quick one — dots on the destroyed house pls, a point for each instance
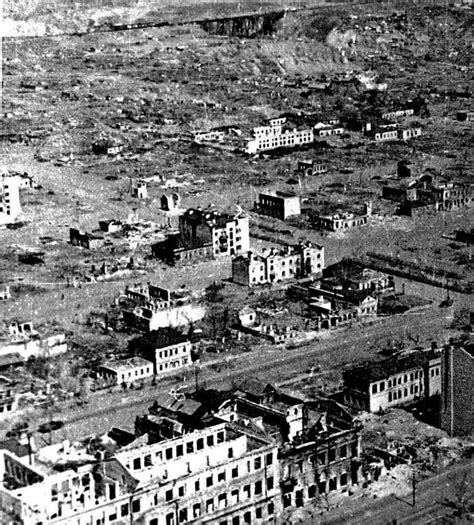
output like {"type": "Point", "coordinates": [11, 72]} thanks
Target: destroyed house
{"type": "Point", "coordinates": [278, 204]}
{"type": "Point", "coordinates": [5, 292]}
{"type": "Point", "coordinates": [177, 250]}
{"type": "Point", "coordinates": [392, 114]}
{"type": "Point", "coordinates": [107, 147]}
{"type": "Point", "coordinates": [85, 239]}
{"type": "Point", "coordinates": [274, 265]}
{"type": "Point", "coordinates": [393, 382]}
{"type": "Point", "coordinates": [152, 307]}
{"type": "Point", "coordinates": [330, 304]}
{"type": "Point", "coordinates": [319, 442]}
{"type": "Point", "coordinates": [209, 136]}
{"type": "Point", "coordinates": [309, 168]}
{"type": "Point", "coordinates": [343, 220]}
{"type": "Point", "coordinates": [353, 275]}
{"type": "Point", "coordinates": [25, 342]}
{"type": "Point", "coordinates": [425, 194]}
{"type": "Point", "coordinates": [229, 234]}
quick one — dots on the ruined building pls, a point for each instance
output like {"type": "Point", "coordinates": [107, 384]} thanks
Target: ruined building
{"type": "Point", "coordinates": [10, 207]}
{"type": "Point", "coordinates": [222, 473]}
{"type": "Point", "coordinates": [205, 234]}
{"type": "Point", "coordinates": [393, 382]}
{"type": "Point", "coordinates": [278, 204]}
{"type": "Point", "coordinates": [277, 134]}
{"type": "Point", "coordinates": [319, 441]}
{"type": "Point", "coordinates": [330, 303]}
{"type": "Point", "coordinates": [344, 220]}
{"type": "Point", "coordinates": [274, 265]}
{"type": "Point", "coordinates": [425, 194]}
{"type": "Point", "coordinates": [151, 307]}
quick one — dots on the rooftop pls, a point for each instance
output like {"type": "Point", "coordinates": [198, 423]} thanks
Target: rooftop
{"type": "Point", "coordinates": [377, 371]}
{"type": "Point", "coordinates": [126, 364]}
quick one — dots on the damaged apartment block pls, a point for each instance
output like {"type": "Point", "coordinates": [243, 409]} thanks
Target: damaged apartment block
{"type": "Point", "coordinates": [219, 473]}
{"type": "Point", "coordinates": [205, 234]}
{"type": "Point", "coordinates": [319, 441]}
{"type": "Point", "coordinates": [292, 262]}
{"type": "Point", "coordinates": [151, 307]}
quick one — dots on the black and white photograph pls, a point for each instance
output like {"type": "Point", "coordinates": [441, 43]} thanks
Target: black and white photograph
{"type": "Point", "coordinates": [236, 275]}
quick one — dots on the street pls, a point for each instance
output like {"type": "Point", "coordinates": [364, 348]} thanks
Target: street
{"type": "Point", "coordinates": [429, 507]}
{"type": "Point", "coordinates": [276, 365]}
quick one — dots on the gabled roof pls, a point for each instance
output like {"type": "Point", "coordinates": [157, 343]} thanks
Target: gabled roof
{"type": "Point", "coordinates": [253, 386]}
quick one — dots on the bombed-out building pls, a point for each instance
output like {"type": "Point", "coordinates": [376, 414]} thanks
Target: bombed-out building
{"type": "Point", "coordinates": [278, 204]}
{"type": "Point", "coordinates": [393, 382]}
{"type": "Point", "coordinates": [319, 441]}
{"type": "Point", "coordinates": [330, 303]}
{"type": "Point", "coordinates": [222, 473]}
{"type": "Point", "coordinates": [151, 307]}
{"type": "Point", "coordinates": [205, 234]}
{"type": "Point", "coordinates": [275, 265]}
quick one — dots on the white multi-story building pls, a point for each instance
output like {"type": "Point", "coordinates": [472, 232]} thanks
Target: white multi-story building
{"type": "Point", "coordinates": [276, 136]}
{"type": "Point", "coordinates": [393, 382]}
{"type": "Point", "coordinates": [221, 474]}
{"type": "Point", "coordinates": [152, 307]}
{"type": "Point", "coordinates": [229, 234]}
{"type": "Point", "coordinates": [26, 342]}
{"type": "Point", "coordinates": [10, 207]}
{"type": "Point", "coordinates": [278, 204]}
{"type": "Point", "coordinates": [170, 357]}
{"type": "Point", "coordinates": [278, 265]}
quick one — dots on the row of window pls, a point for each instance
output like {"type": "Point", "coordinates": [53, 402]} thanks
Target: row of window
{"type": "Point", "coordinates": [138, 372]}
{"type": "Point", "coordinates": [398, 394]}
{"type": "Point", "coordinates": [322, 487]}
{"type": "Point", "coordinates": [245, 519]}
{"type": "Point", "coordinates": [413, 376]}
{"type": "Point", "coordinates": [172, 351]}
{"type": "Point", "coordinates": [179, 450]}
{"type": "Point", "coordinates": [173, 364]}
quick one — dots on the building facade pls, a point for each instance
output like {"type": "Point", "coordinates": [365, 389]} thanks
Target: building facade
{"type": "Point", "coordinates": [278, 204]}
{"type": "Point", "coordinates": [152, 307]}
{"type": "Point", "coordinates": [319, 442]}
{"type": "Point", "coordinates": [8, 397]}
{"type": "Point", "coordinates": [226, 234]}
{"type": "Point", "coordinates": [343, 221]}
{"type": "Point", "coordinates": [218, 475]}
{"type": "Point", "coordinates": [172, 357]}
{"type": "Point", "coordinates": [457, 390]}
{"type": "Point", "coordinates": [393, 382]}
{"type": "Point", "coordinates": [274, 265]}
{"type": "Point", "coordinates": [277, 135]}
{"type": "Point", "coordinates": [126, 371]}
{"type": "Point", "coordinates": [309, 168]}
{"type": "Point", "coordinates": [10, 207]}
